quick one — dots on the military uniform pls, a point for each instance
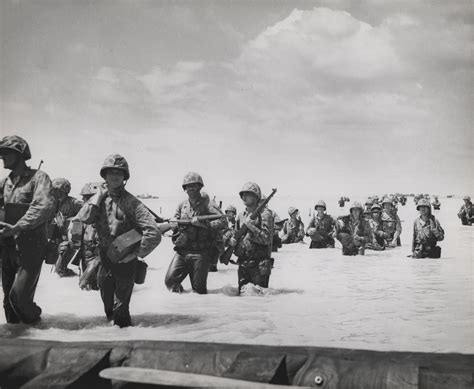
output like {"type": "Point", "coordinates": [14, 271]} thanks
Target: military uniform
{"type": "Point", "coordinates": [320, 230]}
{"type": "Point", "coordinates": [66, 209]}
{"type": "Point", "coordinates": [254, 249]}
{"type": "Point", "coordinates": [194, 245]}
{"type": "Point", "coordinates": [293, 229]}
{"type": "Point", "coordinates": [23, 254]}
{"type": "Point", "coordinates": [466, 213]}
{"type": "Point", "coordinates": [353, 233]}
{"type": "Point", "coordinates": [277, 227]}
{"type": "Point", "coordinates": [113, 214]}
{"type": "Point", "coordinates": [426, 234]}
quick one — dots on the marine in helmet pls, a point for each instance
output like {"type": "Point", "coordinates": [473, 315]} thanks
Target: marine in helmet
{"type": "Point", "coordinates": [426, 232]}
{"type": "Point", "coordinates": [368, 205]}
{"type": "Point", "coordinates": [436, 204]}
{"type": "Point", "coordinates": [391, 225]}
{"type": "Point", "coordinates": [466, 213]}
{"type": "Point", "coordinates": [353, 231]}
{"type": "Point", "coordinates": [66, 208]}
{"type": "Point", "coordinates": [321, 228]}
{"type": "Point", "coordinates": [293, 228]}
{"type": "Point", "coordinates": [26, 199]}
{"type": "Point", "coordinates": [87, 241]}
{"type": "Point", "coordinates": [254, 250]}
{"type": "Point", "coordinates": [375, 222]}
{"type": "Point", "coordinates": [194, 244]}
{"type": "Point", "coordinates": [114, 211]}
{"type": "Point", "coordinates": [231, 213]}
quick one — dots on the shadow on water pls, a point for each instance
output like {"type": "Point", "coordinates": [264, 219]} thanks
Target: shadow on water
{"type": "Point", "coordinates": [253, 290]}
{"type": "Point", "coordinates": [76, 323]}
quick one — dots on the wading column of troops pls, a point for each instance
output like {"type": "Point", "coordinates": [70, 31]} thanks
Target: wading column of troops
{"type": "Point", "coordinates": [109, 231]}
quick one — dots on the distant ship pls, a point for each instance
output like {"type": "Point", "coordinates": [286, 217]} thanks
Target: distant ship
{"type": "Point", "coordinates": [450, 196]}
{"type": "Point", "coordinates": [147, 196]}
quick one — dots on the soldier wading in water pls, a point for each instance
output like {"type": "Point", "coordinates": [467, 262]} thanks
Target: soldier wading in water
{"type": "Point", "coordinates": [114, 211]}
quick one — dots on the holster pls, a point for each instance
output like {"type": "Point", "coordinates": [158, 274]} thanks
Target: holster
{"type": "Point", "coordinates": [140, 272]}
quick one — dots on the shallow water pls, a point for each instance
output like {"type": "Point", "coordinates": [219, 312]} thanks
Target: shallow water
{"type": "Point", "coordinates": [382, 301]}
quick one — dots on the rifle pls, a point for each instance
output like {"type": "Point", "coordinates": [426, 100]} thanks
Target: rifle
{"type": "Point", "coordinates": [167, 225]}
{"type": "Point", "coordinates": [158, 219]}
{"type": "Point", "coordinates": [239, 235]}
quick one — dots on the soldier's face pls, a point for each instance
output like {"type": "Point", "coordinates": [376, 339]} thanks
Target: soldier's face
{"type": "Point", "coordinates": [249, 199]}
{"type": "Point", "coordinates": [10, 159]}
{"type": "Point", "coordinates": [114, 178]}
{"type": "Point", "coordinates": [424, 211]}
{"type": "Point", "coordinates": [387, 206]}
{"type": "Point", "coordinates": [320, 210]}
{"type": "Point", "coordinates": [192, 190]}
{"type": "Point", "coordinates": [230, 216]}
{"type": "Point", "coordinates": [376, 215]}
{"type": "Point", "coordinates": [59, 194]}
{"type": "Point", "coordinates": [356, 213]}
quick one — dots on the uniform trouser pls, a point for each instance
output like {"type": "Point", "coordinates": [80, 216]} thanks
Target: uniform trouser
{"type": "Point", "coordinates": [20, 274]}
{"type": "Point", "coordinates": [196, 264]}
{"type": "Point", "coordinates": [256, 272]}
{"type": "Point", "coordinates": [466, 221]}
{"type": "Point", "coordinates": [319, 241]}
{"type": "Point", "coordinates": [350, 245]}
{"type": "Point", "coordinates": [116, 283]}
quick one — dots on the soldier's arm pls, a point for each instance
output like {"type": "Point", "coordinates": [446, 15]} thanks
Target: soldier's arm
{"type": "Point", "coordinates": [311, 223]}
{"type": "Point", "coordinates": [437, 230]}
{"type": "Point", "coordinates": [90, 211]}
{"type": "Point", "coordinates": [414, 237]}
{"type": "Point", "coordinates": [76, 206]}
{"type": "Point", "coordinates": [41, 208]}
{"type": "Point", "coordinates": [398, 227]}
{"type": "Point", "coordinates": [263, 234]}
{"type": "Point", "coordinates": [145, 222]}
{"type": "Point", "coordinates": [219, 224]}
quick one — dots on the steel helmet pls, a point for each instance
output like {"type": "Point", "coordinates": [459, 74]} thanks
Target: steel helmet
{"type": "Point", "coordinates": [62, 184]}
{"type": "Point", "coordinates": [90, 188]}
{"type": "Point", "coordinates": [115, 161]}
{"type": "Point", "coordinates": [251, 187]}
{"type": "Point", "coordinates": [231, 208]}
{"type": "Point", "coordinates": [320, 203]}
{"type": "Point", "coordinates": [292, 210]}
{"type": "Point", "coordinates": [466, 198]}
{"type": "Point", "coordinates": [16, 143]}
{"type": "Point", "coordinates": [386, 200]}
{"type": "Point", "coordinates": [369, 201]}
{"type": "Point", "coordinates": [376, 207]}
{"type": "Point", "coordinates": [192, 178]}
{"type": "Point", "coordinates": [423, 203]}
{"type": "Point", "coordinates": [355, 205]}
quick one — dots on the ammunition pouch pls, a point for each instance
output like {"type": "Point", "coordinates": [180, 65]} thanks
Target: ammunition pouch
{"type": "Point", "coordinates": [192, 238]}
{"type": "Point", "coordinates": [140, 272]}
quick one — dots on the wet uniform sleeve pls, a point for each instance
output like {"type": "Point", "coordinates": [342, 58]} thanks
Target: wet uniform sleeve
{"type": "Point", "coordinates": [413, 245]}
{"type": "Point", "coordinates": [41, 208]}
{"type": "Point", "coordinates": [151, 235]}
{"type": "Point", "coordinates": [437, 230]}
{"type": "Point", "coordinates": [263, 234]}
{"type": "Point", "coordinates": [89, 211]}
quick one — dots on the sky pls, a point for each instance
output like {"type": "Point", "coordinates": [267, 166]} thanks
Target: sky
{"type": "Point", "coordinates": [312, 97]}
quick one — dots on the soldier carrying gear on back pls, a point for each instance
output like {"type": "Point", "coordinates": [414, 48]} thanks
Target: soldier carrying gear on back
{"type": "Point", "coordinates": [26, 199]}
{"type": "Point", "coordinates": [195, 244]}
{"type": "Point", "coordinates": [66, 208]}
{"type": "Point", "coordinates": [87, 241]}
{"type": "Point", "coordinates": [426, 232]}
{"type": "Point", "coordinates": [114, 211]}
{"type": "Point", "coordinates": [321, 228]}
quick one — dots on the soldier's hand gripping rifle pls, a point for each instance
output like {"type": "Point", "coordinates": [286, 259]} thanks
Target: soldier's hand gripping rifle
{"type": "Point", "coordinates": [197, 221]}
{"type": "Point", "coordinates": [239, 235]}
